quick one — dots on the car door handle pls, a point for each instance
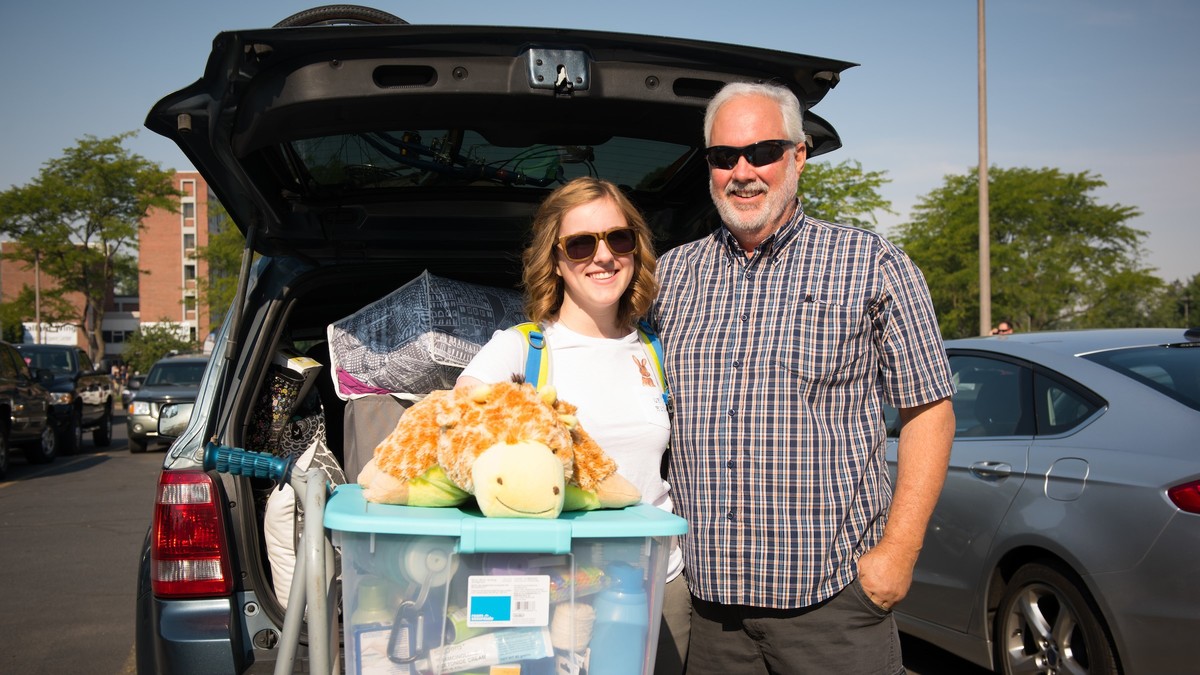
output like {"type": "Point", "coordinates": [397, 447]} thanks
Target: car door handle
{"type": "Point", "coordinates": [991, 470]}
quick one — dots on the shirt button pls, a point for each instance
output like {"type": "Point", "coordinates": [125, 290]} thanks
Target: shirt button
{"type": "Point", "coordinates": [745, 317]}
{"type": "Point", "coordinates": [730, 515]}
{"type": "Point", "coordinates": [749, 276]}
{"type": "Point", "coordinates": [737, 363]}
{"type": "Point", "coordinates": [732, 412]}
{"type": "Point", "coordinates": [729, 464]}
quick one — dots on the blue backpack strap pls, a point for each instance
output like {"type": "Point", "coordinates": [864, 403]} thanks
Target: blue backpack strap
{"type": "Point", "coordinates": [654, 348]}
{"type": "Point", "coordinates": [537, 360]}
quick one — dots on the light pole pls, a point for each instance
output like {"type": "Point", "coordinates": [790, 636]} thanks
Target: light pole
{"type": "Point", "coordinates": [985, 237]}
{"type": "Point", "coordinates": [37, 295]}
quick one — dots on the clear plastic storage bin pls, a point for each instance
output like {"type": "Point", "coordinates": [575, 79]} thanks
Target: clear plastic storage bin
{"type": "Point", "coordinates": [446, 590]}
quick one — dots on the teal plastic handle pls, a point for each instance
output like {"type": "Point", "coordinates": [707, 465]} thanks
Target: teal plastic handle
{"type": "Point", "coordinates": [239, 462]}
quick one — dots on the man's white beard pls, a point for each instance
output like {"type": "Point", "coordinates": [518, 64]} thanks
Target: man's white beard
{"type": "Point", "coordinates": [774, 208]}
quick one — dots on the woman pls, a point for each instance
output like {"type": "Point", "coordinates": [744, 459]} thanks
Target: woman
{"type": "Point", "coordinates": [589, 276]}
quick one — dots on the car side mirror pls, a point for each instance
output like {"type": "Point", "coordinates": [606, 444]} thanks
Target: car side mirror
{"type": "Point", "coordinates": [173, 418]}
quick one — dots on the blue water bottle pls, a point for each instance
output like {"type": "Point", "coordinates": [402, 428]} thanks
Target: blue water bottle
{"type": "Point", "coordinates": [618, 645]}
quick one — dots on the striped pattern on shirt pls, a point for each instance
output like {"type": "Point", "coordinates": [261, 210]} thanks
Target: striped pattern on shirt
{"type": "Point", "coordinates": [778, 365]}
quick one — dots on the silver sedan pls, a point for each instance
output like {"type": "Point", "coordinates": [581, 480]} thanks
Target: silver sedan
{"type": "Point", "coordinates": [1067, 536]}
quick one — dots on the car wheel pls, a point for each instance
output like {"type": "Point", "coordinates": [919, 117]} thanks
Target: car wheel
{"type": "Point", "coordinates": [3, 452]}
{"type": "Point", "coordinates": [137, 446]}
{"type": "Point", "coordinates": [71, 437]}
{"type": "Point", "coordinates": [1046, 624]}
{"type": "Point", "coordinates": [339, 15]}
{"type": "Point", "coordinates": [46, 448]}
{"type": "Point", "coordinates": [102, 436]}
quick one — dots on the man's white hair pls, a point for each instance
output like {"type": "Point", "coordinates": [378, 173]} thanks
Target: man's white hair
{"type": "Point", "coordinates": [789, 106]}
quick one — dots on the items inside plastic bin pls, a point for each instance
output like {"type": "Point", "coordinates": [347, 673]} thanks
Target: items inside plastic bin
{"type": "Point", "coordinates": [419, 608]}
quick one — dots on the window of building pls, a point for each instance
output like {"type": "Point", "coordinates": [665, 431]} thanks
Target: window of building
{"type": "Point", "coordinates": [189, 272]}
{"type": "Point", "coordinates": [188, 188]}
{"type": "Point", "coordinates": [189, 242]}
{"type": "Point", "coordinates": [189, 210]}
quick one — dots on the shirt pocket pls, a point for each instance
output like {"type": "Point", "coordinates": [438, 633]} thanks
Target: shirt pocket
{"type": "Point", "coordinates": [823, 341]}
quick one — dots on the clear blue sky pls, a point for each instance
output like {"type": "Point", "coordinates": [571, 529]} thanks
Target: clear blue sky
{"type": "Point", "coordinates": [1107, 86]}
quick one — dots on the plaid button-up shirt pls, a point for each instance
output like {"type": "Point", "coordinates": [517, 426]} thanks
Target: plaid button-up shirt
{"type": "Point", "coordinates": [778, 365]}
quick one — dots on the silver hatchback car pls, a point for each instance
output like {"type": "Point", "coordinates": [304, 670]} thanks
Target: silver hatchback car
{"type": "Point", "coordinates": [1067, 534]}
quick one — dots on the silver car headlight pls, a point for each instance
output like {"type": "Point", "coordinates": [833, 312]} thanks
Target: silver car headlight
{"type": "Point", "coordinates": [139, 408]}
{"type": "Point", "coordinates": [62, 398]}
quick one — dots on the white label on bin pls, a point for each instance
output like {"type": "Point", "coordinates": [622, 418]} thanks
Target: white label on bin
{"type": "Point", "coordinates": [505, 601]}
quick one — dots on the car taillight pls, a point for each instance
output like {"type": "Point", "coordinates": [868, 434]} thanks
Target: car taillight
{"type": "Point", "coordinates": [1186, 496]}
{"type": "Point", "coordinates": [189, 554]}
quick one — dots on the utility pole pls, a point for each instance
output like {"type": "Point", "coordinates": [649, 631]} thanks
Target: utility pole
{"type": "Point", "coordinates": [985, 237]}
{"type": "Point", "coordinates": [37, 295]}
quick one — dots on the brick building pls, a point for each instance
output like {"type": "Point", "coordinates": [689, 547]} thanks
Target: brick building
{"type": "Point", "coordinates": [15, 276]}
{"type": "Point", "coordinates": [168, 288]}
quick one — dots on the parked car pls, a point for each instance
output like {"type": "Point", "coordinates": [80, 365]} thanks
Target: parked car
{"type": "Point", "coordinates": [357, 157]}
{"type": "Point", "coordinates": [82, 393]}
{"type": "Point", "coordinates": [25, 414]}
{"type": "Point", "coordinates": [174, 379]}
{"type": "Point", "coordinates": [1067, 532]}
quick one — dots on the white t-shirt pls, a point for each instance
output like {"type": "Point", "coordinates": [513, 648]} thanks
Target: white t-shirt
{"type": "Point", "coordinates": [616, 387]}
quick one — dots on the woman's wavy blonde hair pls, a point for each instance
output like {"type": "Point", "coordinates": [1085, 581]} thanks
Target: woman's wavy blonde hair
{"type": "Point", "coordinates": [544, 288]}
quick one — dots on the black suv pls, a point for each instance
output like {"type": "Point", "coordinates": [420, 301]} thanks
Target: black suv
{"type": "Point", "coordinates": [355, 158]}
{"type": "Point", "coordinates": [82, 393]}
{"type": "Point", "coordinates": [25, 420]}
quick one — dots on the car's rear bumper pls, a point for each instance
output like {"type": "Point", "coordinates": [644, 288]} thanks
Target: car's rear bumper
{"type": "Point", "coordinates": [185, 636]}
{"type": "Point", "coordinates": [1154, 607]}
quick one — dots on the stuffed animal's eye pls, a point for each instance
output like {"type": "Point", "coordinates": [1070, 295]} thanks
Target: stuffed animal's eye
{"type": "Point", "coordinates": [499, 480]}
{"type": "Point", "coordinates": [556, 490]}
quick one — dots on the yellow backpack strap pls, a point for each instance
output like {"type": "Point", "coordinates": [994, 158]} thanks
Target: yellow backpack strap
{"type": "Point", "coordinates": [654, 348]}
{"type": "Point", "coordinates": [537, 360]}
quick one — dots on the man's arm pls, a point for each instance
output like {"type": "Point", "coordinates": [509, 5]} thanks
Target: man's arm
{"type": "Point", "coordinates": [923, 455]}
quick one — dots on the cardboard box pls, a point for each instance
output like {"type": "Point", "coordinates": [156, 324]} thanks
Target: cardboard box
{"type": "Point", "coordinates": [442, 590]}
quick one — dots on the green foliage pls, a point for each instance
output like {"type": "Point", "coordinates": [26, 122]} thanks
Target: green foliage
{"type": "Point", "coordinates": [12, 328]}
{"type": "Point", "coordinates": [80, 217]}
{"type": "Point", "coordinates": [1059, 258]}
{"type": "Point", "coordinates": [843, 193]}
{"type": "Point", "coordinates": [224, 257]}
{"type": "Point", "coordinates": [152, 342]}
{"type": "Point", "coordinates": [55, 307]}
{"type": "Point", "coordinates": [1177, 304]}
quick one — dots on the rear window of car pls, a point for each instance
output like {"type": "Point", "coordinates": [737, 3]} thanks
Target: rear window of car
{"type": "Point", "coordinates": [1173, 370]}
{"type": "Point", "coordinates": [428, 158]}
{"type": "Point", "coordinates": [54, 360]}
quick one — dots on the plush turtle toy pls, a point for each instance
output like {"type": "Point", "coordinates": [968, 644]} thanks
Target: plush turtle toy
{"type": "Point", "coordinates": [521, 453]}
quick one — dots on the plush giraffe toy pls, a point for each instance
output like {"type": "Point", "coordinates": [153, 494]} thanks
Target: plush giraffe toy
{"type": "Point", "coordinates": [520, 452]}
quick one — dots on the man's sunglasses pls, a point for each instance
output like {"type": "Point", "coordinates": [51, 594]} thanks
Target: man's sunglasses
{"type": "Point", "coordinates": [761, 153]}
{"type": "Point", "coordinates": [582, 247]}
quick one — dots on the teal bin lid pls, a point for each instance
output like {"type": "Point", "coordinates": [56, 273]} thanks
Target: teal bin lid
{"type": "Point", "coordinates": [347, 511]}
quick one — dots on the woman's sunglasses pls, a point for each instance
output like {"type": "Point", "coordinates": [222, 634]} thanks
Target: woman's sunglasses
{"type": "Point", "coordinates": [582, 247]}
{"type": "Point", "coordinates": [761, 153]}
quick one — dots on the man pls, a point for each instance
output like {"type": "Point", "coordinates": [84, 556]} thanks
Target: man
{"type": "Point", "coordinates": [1003, 328]}
{"type": "Point", "coordinates": [783, 337]}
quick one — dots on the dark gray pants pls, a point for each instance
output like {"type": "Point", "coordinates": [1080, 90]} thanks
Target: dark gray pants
{"type": "Point", "coordinates": [845, 634]}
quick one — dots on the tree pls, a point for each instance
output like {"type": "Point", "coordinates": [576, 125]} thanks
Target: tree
{"type": "Point", "coordinates": [843, 193]}
{"type": "Point", "coordinates": [79, 219]}
{"type": "Point", "coordinates": [1059, 258]}
{"type": "Point", "coordinates": [1178, 304]}
{"type": "Point", "coordinates": [153, 341]}
{"type": "Point", "coordinates": [224, 257]}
